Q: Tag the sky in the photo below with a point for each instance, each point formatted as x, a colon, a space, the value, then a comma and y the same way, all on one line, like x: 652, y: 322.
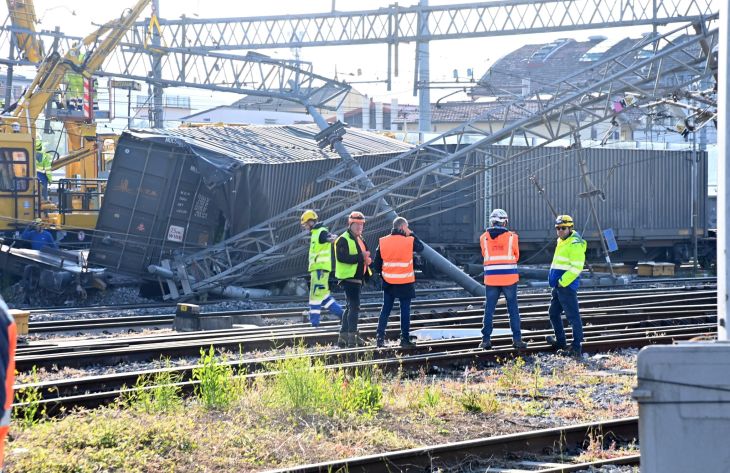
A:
x: 78, y: 17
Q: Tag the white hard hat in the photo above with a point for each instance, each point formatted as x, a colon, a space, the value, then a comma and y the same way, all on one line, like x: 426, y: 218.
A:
x: 498, y: 217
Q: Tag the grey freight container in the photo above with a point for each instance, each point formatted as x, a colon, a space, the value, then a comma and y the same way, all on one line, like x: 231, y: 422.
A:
x: 174, y: 192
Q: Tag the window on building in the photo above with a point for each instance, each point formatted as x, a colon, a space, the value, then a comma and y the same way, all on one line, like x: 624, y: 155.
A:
x: 177, y: 101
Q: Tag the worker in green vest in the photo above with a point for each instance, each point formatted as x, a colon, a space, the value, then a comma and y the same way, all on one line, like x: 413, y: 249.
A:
x: 43, y: 167
x: 352, y: 268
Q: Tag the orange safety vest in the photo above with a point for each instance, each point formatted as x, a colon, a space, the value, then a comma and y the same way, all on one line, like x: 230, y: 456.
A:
x: 397, y: 254
x: 500, y: 258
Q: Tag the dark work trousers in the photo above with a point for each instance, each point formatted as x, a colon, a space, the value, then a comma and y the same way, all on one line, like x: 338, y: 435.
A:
x: 490, y: 304
x: 349, y: 319
x: 565, y: 299
x: 405, y: 316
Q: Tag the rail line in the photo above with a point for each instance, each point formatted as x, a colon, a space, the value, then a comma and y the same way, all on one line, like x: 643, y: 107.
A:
x: 437, y: 356
x: 419, y: 309
x: 499, y: 450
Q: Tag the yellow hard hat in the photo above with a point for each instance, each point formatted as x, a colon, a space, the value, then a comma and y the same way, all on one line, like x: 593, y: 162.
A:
x: 38, y: 145
x: 308, y: 215
x: 355, y: 217
x: 564, y: 221
x: 38, y: 220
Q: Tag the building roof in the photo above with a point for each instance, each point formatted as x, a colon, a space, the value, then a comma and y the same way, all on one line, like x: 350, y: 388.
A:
x: 538, y: 66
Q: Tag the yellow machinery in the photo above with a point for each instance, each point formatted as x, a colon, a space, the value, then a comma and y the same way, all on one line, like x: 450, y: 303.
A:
x: 22, y: 15
x: 20, y: 197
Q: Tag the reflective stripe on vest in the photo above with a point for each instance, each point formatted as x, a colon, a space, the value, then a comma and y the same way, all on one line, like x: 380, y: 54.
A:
x: 397, y: 254
x: 500, y: 262
x: 320, y: 254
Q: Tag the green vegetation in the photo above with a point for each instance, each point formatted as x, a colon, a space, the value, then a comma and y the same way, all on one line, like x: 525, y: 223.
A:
x: 305, y: 412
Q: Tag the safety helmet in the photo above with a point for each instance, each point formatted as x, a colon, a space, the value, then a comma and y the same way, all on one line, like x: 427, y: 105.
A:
x: 564, y: 221
x: 38, y: 145
x: 498, y: 217
x: 308, y: 215
x: 355, y: 217
x: 15, y: 126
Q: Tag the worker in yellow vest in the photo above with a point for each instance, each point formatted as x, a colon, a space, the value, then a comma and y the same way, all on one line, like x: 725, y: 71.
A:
x: 320, y: 266
x: 352, y: 268
x: 394, y: 262
x: 43, y: 169
x: 501, y: 251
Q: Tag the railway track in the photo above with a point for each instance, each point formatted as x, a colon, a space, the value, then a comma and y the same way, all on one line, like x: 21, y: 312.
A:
x: 99, y: 309
x: 436, y: 356
x: 554, y: 447
x: 419, y: 309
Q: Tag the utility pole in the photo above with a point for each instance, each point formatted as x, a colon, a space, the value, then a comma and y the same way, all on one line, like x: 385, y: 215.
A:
x: 423, y: 75
x: 723, y: 172
x: 590, y: 192
x: 157, y: 110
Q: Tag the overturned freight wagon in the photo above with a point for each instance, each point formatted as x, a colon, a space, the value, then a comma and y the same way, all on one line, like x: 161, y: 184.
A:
x: 176, y: 192
x: 651, y: 202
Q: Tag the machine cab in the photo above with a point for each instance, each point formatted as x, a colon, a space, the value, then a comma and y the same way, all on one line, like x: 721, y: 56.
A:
x: 18, y: 184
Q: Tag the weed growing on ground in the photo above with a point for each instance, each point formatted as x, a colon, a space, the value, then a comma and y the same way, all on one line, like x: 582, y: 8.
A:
x: 303, y: 384
x: 475, y: 402
x: 156, y: 393
x: 217, y: 388
x: 429, y: 398
x: 511, y: 373
x: 31, y: 412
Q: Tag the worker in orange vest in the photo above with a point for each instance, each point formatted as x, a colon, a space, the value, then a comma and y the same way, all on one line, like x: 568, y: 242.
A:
x: 8, y: 340
x: 394, y: 261
x: 500, y: 249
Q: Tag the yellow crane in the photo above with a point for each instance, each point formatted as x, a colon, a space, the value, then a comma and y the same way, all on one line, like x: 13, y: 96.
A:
x: 22, y: 16
x: 20, y: 199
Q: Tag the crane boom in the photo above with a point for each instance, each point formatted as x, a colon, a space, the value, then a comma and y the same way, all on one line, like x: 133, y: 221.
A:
x: 22, y: 16
x: 84, y: 58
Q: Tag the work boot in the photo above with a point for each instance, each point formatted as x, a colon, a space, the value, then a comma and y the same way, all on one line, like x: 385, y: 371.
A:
x: 486, y: 345
x: 406, y: 343
x: 519, y: 345
x: 342, y: 340
x: 379, y: 343
x: 554, y: 343
x: 571, y: 352
x: 354, y: 340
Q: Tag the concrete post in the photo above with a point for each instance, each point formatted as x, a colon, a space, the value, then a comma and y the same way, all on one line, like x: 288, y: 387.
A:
x: 723, y: 172
x: 365, y: 112
x: 393, y: 114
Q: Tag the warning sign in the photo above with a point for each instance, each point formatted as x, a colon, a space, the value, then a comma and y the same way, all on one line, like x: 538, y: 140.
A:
x: 175, y: 233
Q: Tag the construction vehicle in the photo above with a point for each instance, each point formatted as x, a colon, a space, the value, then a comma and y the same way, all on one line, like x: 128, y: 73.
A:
x: 20, y: 196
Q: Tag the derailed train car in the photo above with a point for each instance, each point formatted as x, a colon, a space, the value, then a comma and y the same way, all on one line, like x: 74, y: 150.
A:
x: 174, y: 192
x: 645, y: 198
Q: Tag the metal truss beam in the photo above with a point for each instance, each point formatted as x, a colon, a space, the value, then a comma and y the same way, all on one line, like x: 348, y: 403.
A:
x: 392, y: 25
x: 252, y: 74
x: 572, y: 104
x: 397, y: 24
